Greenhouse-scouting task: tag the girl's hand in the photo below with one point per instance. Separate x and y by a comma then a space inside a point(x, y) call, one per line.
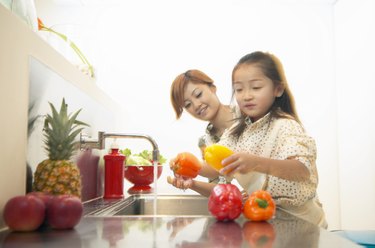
point(240, 162)
point(180, 182)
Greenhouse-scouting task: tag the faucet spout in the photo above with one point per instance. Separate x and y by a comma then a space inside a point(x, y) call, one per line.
point(100, 143)
point(155, 148)
point(86, 143)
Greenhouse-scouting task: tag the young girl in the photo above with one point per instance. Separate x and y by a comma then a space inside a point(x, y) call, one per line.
point(272, 150)
point(195, 92)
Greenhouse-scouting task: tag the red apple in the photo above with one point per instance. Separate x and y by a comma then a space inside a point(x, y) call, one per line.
point(22, 239)
point(64, 212)
point(45, 197)
point(24, 213)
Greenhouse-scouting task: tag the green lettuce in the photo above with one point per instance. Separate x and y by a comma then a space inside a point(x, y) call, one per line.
point(147, 154)
point(134, 159)
point(142, 158)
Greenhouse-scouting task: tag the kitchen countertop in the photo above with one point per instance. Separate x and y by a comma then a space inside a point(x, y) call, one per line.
point(179, 231)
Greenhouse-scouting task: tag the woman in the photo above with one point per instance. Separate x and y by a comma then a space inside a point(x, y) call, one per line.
point(195, 92)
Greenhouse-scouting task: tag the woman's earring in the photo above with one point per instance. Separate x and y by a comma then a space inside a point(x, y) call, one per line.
point(209, 128)
point(248, 120)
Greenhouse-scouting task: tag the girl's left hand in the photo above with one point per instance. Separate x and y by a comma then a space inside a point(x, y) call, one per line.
point(240, 162)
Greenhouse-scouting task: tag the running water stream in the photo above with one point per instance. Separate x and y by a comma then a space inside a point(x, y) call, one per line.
point(155, 207)
point(155, 192)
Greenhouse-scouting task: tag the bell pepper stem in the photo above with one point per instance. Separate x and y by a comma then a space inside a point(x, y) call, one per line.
point(262, 203)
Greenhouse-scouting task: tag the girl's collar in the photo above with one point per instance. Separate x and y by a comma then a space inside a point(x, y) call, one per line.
point(261, 121)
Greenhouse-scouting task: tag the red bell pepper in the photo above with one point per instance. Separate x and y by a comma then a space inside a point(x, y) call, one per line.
point(224, 234)
point(225, 202)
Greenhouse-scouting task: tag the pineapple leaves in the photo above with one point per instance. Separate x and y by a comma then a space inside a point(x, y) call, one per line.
point(60, 131)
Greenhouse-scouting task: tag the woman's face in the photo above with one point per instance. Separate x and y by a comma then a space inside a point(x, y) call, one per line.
point(254, 92)
point(200, 101)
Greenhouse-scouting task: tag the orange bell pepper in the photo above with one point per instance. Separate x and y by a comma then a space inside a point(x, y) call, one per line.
point(187, 165)
point(259, 206)
point(259, 234)
point(214, 154)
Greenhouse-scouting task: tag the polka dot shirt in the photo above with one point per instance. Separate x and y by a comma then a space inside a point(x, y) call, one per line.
point(286, 140)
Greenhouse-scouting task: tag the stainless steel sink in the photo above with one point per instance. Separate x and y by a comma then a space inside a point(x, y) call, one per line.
point(166, 205)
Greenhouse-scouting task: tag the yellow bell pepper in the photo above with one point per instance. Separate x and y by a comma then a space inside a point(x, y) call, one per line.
point(214, 154)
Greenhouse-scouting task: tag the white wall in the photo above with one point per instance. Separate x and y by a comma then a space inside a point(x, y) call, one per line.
point(139, 47)
point(355, 53)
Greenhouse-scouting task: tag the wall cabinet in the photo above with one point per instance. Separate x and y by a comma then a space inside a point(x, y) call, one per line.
point(31, 70)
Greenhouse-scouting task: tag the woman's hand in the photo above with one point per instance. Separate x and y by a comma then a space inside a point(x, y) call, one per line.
point(186, 164)
point(180, 182)
point(177, 224)
point(172, 163)
point(240, 162)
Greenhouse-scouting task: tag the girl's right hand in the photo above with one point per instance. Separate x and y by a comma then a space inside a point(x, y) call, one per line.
point(241, 162)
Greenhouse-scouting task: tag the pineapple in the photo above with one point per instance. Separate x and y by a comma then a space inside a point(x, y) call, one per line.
point(58, 175)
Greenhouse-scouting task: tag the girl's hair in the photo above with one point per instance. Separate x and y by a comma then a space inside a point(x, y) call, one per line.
point(179, 84)
point(283, 106)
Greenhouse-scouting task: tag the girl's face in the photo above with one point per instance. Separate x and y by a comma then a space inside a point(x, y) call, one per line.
point(254, 92)
point(201, 101)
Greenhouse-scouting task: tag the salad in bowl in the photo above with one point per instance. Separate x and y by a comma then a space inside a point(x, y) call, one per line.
point(139, 170)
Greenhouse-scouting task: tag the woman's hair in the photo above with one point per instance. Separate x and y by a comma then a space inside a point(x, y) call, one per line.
point(283, 106)
point(179, 84)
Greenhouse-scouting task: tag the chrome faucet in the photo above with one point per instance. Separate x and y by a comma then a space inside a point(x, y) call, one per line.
point(100, 142)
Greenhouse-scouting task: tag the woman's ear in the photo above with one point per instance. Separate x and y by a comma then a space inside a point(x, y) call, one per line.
point(213, 88)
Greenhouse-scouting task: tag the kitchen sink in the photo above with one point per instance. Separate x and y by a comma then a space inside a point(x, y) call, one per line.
point(166, 205)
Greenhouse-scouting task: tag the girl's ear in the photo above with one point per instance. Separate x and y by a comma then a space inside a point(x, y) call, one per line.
point(279, 91)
